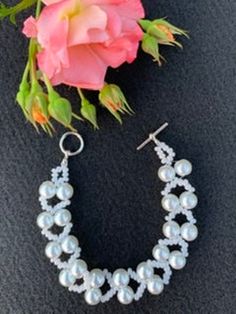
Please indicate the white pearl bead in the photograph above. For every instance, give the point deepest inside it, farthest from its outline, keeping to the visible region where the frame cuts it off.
(177, 260)
(170, 202)
(125, 295)
(69, 244)
(183, 167)
(161, 252)
(65, 191)
(188, 200)
(53, 250)
(171, 229)
(144, 271)
(96, 278)
(45, 220)
(78, 268)
(47, 190)
(166, 173)
(62, 217)
(93, 296)
(155, 285)
(66, 279)
(189, 232)
(120, 278)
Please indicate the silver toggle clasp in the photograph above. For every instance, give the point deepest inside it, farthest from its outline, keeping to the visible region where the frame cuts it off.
(67, 152)
(152, 136)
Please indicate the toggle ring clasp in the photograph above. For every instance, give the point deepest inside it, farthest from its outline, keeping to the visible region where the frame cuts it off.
(69, 153)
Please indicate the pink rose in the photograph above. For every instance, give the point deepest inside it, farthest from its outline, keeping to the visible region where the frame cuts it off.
(81, 39)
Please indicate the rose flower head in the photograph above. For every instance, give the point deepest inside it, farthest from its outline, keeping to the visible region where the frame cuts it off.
(80, 39)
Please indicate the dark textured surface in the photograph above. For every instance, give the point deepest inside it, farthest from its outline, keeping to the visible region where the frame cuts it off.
(116, 209)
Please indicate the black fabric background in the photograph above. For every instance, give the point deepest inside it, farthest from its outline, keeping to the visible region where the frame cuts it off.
(116, 208)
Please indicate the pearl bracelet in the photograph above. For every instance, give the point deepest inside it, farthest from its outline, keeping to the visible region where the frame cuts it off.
(74, 272)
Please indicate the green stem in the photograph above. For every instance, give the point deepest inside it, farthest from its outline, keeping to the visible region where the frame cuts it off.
(81, 94)
(32, 60)
(38, 8)
(48, 83)
(26, 72)
(76, 116)
(33, 48)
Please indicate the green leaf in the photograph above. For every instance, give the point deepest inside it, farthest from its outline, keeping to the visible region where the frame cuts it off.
(60, 110)
(11, 12)
(88, 111)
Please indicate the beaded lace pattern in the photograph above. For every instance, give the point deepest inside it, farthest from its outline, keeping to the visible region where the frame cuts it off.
(60, 176)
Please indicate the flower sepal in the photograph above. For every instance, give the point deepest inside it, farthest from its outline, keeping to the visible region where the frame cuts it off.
(22, 95)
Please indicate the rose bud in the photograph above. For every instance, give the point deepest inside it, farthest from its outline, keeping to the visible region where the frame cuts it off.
(159, 32)
(60, 110)
(164, 32)
(40, 109)
(36, 107)
(88, 111)
(114, 100)
(150, 46)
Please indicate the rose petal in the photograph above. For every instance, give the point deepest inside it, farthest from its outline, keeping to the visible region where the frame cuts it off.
(56, 37)
(87, 70)
(88, 26)
(49, 2)
(127, 8)
(30, 27)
